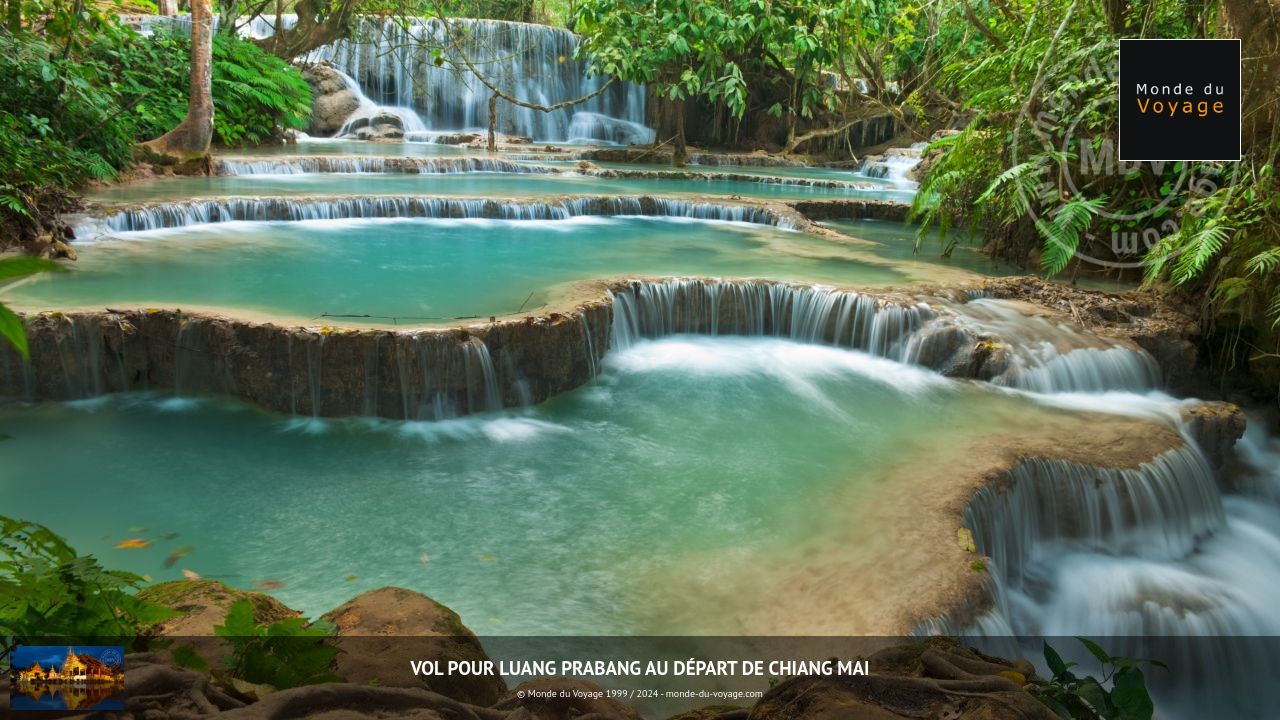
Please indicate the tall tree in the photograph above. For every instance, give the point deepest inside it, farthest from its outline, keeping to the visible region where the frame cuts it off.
(190, 139)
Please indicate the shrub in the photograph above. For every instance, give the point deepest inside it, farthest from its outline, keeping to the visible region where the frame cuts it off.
(47, 590)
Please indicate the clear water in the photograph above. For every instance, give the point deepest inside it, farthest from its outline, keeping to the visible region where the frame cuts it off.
(427, 269)
(499, 185)
(580, 515)
(896, 242)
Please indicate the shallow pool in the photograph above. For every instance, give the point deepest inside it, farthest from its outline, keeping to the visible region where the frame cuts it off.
(421, 269)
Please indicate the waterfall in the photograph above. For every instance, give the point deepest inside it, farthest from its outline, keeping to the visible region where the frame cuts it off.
(306, 165)
(396, 64)
(1046, 356)
(1152, 561)
(804, 313)
(476, 353)
(1160, 510)
(155, 216)
(368, 112)
(894, 165)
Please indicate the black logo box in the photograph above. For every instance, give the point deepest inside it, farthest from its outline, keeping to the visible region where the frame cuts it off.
(1190, 65)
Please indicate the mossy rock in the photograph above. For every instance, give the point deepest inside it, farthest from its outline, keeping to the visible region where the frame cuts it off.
(204, 604)
(201, 605)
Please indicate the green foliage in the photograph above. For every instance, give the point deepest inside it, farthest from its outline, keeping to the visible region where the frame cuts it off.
(287, 653)
(255, 94)
(82, 92)
(1037, 158)
(47, 590)
(805, 54)
(1088, 698)
(11, 327)
(57, 128)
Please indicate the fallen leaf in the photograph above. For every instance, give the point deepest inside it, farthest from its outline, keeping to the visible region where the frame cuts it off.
(488, 558)
(424, 559)
(270, 584)
(352, 578)
(133, 544)
(169, 536)
(190, 574)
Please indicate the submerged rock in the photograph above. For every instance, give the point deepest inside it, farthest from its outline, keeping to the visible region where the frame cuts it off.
(371, 632)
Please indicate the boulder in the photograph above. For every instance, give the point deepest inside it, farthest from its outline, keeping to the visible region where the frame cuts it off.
(379, 126)
(371, 632)
(332, 100)
(556, 698)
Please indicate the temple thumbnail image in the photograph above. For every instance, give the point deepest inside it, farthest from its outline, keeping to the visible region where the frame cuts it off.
(78, 669)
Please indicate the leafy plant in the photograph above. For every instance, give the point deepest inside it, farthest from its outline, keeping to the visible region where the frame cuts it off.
(287, 653)
(47, 590)
(11, 327)
(1088, 697)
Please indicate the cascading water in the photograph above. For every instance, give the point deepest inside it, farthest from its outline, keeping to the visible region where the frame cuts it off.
(807, 314)
(1046, 356)
(1155, 561)
(199, 212)
(368, 113)
(894, 165)
(373, 165)
(396, 64)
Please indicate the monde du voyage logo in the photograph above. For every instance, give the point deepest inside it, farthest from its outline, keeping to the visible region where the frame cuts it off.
(1179, 100)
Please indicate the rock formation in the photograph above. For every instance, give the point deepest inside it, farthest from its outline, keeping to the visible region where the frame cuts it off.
(332, 99)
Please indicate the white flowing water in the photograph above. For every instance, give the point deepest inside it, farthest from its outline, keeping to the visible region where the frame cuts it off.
(894, 165)
(155, 216)
(1157, 561)
(396, 64)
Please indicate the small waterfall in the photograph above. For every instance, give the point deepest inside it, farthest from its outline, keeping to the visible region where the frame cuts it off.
(894, 165)
(368, 114)
(372, 164)
(475, 354)
(394, 64)
(1160, 510)
(155, 216)
(805, 313)
(1046, 356)
(588, 127)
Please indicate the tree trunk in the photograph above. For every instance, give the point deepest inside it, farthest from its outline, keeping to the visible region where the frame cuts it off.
(190, 140)
(680, 155)
(1257, 24)
(168, 7)
(493, 122)
(318, 24)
